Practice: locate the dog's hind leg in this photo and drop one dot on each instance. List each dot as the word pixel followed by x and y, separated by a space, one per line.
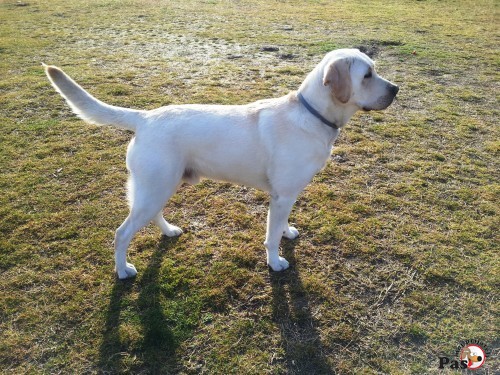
pixel 146 200
pixel 166 228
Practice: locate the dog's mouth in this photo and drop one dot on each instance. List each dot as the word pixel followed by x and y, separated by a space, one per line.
pixel 384 101
pixel 381 104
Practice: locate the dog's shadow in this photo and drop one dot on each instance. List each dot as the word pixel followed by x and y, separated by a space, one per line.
pixel 292 313
pixel 156 352
pixel 120 350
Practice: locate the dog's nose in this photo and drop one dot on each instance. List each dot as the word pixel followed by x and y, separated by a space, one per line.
pixel 394 89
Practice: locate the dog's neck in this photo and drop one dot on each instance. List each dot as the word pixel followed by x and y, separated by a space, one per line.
pixel 322 100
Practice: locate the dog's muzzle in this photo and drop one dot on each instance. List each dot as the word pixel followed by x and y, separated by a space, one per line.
pixel 386 100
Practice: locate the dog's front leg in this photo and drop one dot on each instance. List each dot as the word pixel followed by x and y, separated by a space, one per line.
pixel 277 219
pixel 290 232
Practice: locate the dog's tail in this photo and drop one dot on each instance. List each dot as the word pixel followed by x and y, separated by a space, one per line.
pixel 89 108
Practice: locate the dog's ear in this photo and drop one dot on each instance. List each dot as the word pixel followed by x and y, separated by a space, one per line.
pixel 338 76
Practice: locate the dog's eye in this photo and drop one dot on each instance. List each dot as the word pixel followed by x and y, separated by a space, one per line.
pixel 368 75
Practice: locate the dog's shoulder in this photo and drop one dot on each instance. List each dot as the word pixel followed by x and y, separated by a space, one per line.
pixel 276 106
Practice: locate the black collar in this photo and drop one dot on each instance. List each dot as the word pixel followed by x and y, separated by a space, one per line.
pixel 316 113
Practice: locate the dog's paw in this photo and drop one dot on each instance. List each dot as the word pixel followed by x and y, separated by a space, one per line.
pixel 280 265
pixel 128 272
pixel 172 231
pixel 291 233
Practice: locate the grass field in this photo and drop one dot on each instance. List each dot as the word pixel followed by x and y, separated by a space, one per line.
pixel 398 255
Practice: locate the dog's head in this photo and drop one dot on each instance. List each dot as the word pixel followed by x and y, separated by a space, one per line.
pixel 353 80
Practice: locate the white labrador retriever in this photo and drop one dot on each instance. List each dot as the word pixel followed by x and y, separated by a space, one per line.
pixel 276 145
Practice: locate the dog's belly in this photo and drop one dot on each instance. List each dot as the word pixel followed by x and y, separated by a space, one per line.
pixel 241 165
